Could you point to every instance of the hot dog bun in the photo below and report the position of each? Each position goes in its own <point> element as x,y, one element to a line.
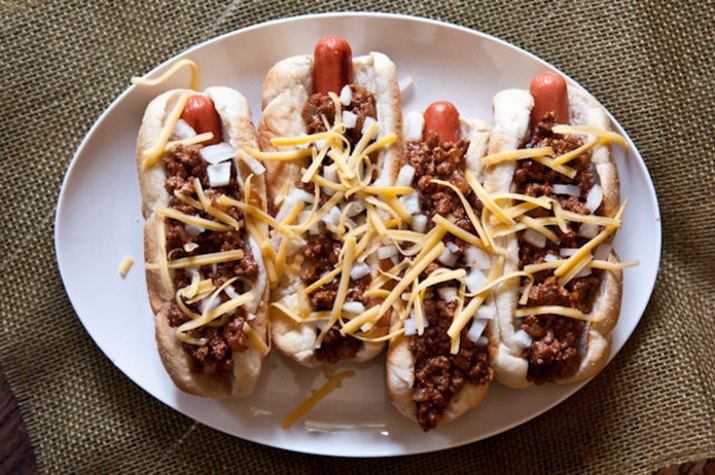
<point>287,88</point>
<point>512,110</point>
<point>400,371</point>
<point>239,132</point>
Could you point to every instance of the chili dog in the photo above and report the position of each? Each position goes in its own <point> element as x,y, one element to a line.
<point>204,270</point>
<point>555,321</point>
<point>441,366</point>
<point>331,185</point>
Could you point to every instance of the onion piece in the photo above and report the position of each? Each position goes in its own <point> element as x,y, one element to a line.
<point>204,304</point>
<point>386,252</point>
<point>415,123</point>
<point>419,223</point>
<point>349,120</point>
<point>183,130</point>
<point>585,272</point>
<point>217,153</point>
<point>353,307</point>
<point>594,199</point>
<point>219,174</point>
<point>346,95</point>
<point>475,280</point>
<point>411,202</point>
<point>521,339</point>
<point>482,341</point>
<point>410,327</point>
<point>448,294</point>
<point>478,258</point>
<point>588,230</point>
<point>231,292</point>
<point>477,328</point>
<point>359,271</point>
<point>302,195</point>
<point>568,251</point>
<point>332,217</point>
<point>448,258</point>
<point>572,190</point>
<point>453,247</point>
<point>255,166</point>
<point>193,230</point>
<point>487,311</point>
<point>535,238</point>
<point>356,208</point>
<point>190,246</point>
<point>550,258</point>
<point>405,176</point>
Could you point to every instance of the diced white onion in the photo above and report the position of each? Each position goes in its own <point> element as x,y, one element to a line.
<point>405,176</point>
<point>219,174</point>
<point>367,124</point>
<point>302,195</point>
<point>521,339</point>
<point>594,199</point>
<point>413,316</point>
<point>204,304</point>
<point>346,95</point>
<point>448,294</point>
<point>448,258</point>
<point>487,311</point>
<point>572,190</point>
<point>193,230</point>
<point>477,328</point>
<point>550,258</point>
<point>535,238</point>
<point>217,153</point>
<point>419,223</point>
<point>190,246</point>
<point>353,307</point>
<point>359,271</point>
<point>602,251</point>
<point>585,272</point>
<point>356,208</point>
<point>330,173</point>
<point>405,84</point>
<point>588,230</point>
<point>386,252</point>
<point>320,143</point>
<point>231,292</point>
<point>453,247</point>
<point>332,217</point>
<point>256,167</point>
<point>304,216</point>
<point>349,119</point>
<point>395,260</point>
<point>478,258</point>
<point>568,251</point>
<point>411,202</point>
<point>415,122</point>
<point>183,130</point>
<point>314,230</point>
<point>482,341</point>
<point>190,271</point>
<point>475,280</point>
<point>410,327</point>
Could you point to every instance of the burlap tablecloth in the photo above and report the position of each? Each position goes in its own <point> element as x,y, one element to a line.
<point>650,63</point>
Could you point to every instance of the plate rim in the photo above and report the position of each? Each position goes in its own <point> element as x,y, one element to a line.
<point>652,200</point>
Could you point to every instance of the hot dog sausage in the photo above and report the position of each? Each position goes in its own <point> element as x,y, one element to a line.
<point>442,118</point>
<point>549,92</point>
<point>333,67</point>
<point>201,115</point>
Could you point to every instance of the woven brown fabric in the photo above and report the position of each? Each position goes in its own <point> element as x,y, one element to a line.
<point>650,63</point>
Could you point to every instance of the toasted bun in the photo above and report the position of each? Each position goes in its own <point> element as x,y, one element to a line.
<point>239,132</point>
<point>286,89</point>
<point>400,360</point>
<point>512,109</point>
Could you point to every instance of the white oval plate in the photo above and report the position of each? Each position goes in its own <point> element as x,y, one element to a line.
<point>98,223</point>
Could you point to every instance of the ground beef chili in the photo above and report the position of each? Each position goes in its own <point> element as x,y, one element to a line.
<point>321,253</point>
<point>439,375</point>
<point>320,104</point>
<point>182,164</point>
<point>554,352</point>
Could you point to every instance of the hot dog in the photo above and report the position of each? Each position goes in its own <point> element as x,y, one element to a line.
<point>328,196</point>
<point>440,367</point>
<point>555,321</point>
<point>204,270</point>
